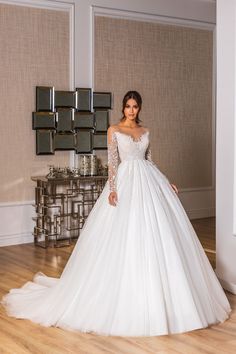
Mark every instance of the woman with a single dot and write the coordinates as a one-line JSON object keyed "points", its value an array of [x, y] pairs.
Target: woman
{"points": [[138, 268]]}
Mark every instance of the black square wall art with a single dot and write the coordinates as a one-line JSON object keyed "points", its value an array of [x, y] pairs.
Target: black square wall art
{"points": [[71, 120]]}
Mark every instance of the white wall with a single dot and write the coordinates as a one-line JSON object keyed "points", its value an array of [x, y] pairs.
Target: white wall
{"points": [[225, 147], [197, 203]]}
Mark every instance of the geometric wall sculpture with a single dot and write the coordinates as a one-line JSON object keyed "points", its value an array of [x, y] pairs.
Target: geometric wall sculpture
{"points": [[71, 120]]}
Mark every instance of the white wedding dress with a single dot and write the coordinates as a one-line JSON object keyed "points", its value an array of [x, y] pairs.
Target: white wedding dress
{"points": [[138, 268]]}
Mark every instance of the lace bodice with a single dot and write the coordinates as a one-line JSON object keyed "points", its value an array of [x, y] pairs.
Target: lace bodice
{"points": [[121, 147]]}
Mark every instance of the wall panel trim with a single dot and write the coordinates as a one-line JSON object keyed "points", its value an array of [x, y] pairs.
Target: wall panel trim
{"points": [[160, 19], [16, 217], [146, 17]]}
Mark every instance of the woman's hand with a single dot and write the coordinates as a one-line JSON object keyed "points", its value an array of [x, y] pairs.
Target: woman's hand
{"points": [[174, 187], [113, 198]]}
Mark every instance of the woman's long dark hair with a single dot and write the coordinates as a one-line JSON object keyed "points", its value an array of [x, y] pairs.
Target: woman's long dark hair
{"points": [[135, 96]]}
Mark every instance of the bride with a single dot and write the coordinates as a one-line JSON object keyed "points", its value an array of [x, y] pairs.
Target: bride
{"points": [[138, 268]]}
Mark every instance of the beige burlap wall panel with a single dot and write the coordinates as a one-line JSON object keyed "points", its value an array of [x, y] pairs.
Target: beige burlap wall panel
{"points": [[171, 67], [34, 47]]}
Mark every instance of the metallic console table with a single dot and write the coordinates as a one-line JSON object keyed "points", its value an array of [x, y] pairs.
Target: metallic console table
{"points": [[62, 206]]}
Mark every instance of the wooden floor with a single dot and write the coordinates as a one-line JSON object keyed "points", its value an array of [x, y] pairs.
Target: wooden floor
{"points": [[19, 263]]}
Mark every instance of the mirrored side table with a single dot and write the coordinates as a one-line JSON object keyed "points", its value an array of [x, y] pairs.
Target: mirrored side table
{"points": [[62, 206]]}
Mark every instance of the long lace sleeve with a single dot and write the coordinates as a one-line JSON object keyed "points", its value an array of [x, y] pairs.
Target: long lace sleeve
{"points": [[113, 158]]}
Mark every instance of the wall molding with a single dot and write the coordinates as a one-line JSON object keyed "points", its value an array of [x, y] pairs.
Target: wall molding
{"points": [[13, 204], [147, 17], [16, 217], [43, 4], [16, 239], [174, 21], [200, 213], [17, 224], [231, 287], [58, 6]]}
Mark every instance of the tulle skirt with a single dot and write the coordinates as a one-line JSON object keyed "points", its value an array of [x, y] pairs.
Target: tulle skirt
{"points": [[137, 269]]}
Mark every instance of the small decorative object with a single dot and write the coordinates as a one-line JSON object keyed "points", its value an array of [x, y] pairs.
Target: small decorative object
{"points": [[93, 165], [90, 165], [61, 172], [101, 170], [51, 173], [84, 165], [102, 100], [104, 170], [75, 172]]}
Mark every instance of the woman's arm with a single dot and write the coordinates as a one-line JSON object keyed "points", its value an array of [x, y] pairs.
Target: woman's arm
{"points": [[113, 162]]}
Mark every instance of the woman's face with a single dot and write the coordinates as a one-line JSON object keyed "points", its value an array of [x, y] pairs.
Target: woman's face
{"points": [[131, 109]]}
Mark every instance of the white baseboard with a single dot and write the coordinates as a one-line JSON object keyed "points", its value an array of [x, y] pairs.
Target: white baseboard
{"points": [[198, 203], [231, 287], [201, 213], [16, 239], [16, 224]]}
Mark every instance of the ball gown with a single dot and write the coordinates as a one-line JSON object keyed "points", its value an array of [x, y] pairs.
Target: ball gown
{"points": [[137, 269]]}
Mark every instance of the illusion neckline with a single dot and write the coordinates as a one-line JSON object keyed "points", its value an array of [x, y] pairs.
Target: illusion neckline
{"points": [[132, 138]]}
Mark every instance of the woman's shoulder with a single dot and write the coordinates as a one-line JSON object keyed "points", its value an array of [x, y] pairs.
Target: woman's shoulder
{"points": [[113, 128], [145, 128]]}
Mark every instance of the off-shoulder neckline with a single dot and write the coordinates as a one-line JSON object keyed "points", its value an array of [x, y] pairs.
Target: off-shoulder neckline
{"points": [[134, 139]]}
